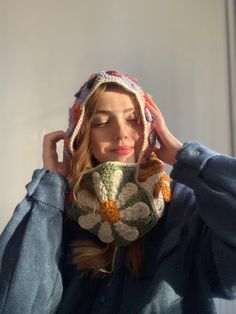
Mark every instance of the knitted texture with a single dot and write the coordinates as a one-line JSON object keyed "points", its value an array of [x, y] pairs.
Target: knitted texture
{"points": [[119, 202], [76, 113]]}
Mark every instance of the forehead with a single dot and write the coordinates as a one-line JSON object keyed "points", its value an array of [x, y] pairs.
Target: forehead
{"points": [[116, 100]]}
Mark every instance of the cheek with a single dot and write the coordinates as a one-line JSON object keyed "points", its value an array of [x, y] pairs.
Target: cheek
{"points": [[97, 141], [94, 140], [93, 137], [97, 136]]}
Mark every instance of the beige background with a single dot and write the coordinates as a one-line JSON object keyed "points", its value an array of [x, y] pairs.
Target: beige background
{"points": [[177, 49]]}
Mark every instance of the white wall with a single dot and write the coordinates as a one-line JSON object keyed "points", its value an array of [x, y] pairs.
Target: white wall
{"points": [[177, 48]]}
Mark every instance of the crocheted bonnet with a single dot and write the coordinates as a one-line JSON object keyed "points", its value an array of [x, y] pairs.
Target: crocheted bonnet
{"points": [[119, 202], [86, 91]]}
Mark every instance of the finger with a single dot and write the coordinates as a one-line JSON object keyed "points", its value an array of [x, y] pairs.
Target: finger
{"points": [[55, 136], [150, 102], [66, 157], [154, 109], [159, 119], [52, 138], [50, 156]]}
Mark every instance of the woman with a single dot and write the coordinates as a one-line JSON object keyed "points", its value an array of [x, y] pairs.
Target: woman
{"points": [[128, 239]]}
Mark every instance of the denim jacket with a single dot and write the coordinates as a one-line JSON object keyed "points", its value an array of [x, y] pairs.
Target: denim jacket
{"points": [[190, 255]]}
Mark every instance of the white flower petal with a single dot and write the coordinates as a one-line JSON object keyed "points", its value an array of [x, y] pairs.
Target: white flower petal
{"points": [[128, 190], [89, 221], [86, 199], [137, 211], [115, 182], [105, 233], [159, 206], [127, 232], [99, 187]]}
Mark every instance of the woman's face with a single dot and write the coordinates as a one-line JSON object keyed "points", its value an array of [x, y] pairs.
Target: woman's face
{"points": [[116, 130]]}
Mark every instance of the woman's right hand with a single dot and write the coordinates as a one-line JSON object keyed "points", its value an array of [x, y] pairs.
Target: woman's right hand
{"points": [[50, 156], [169, 144]]}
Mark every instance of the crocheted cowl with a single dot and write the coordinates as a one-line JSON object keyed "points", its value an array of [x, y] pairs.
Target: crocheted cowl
{"points": [[118, 202]]}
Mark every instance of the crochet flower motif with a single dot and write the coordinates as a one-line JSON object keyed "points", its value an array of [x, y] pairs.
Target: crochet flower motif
{"points": [[109, 209]]}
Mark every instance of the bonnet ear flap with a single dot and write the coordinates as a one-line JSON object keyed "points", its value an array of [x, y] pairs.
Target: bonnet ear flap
{"points": [[74, 117], [66, 148], [152, 135]]}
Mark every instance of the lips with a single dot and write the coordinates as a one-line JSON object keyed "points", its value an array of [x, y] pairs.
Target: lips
{"points": [[123, 150]]}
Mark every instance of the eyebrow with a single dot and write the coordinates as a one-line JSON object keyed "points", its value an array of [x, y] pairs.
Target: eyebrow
{"points": [[110, 111]]}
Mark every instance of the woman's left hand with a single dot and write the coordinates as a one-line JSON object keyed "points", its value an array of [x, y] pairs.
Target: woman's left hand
{"points": [[169, 144]]}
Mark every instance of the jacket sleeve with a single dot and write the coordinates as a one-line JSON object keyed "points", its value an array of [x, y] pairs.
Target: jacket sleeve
{"points": [[30, 280], [212, 176]]}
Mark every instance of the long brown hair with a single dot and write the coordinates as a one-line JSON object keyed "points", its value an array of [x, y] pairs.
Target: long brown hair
{"points": [[96, 258]]}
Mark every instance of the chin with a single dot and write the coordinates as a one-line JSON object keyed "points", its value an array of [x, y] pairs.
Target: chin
{"points": [[125, 159], [112, 157]]}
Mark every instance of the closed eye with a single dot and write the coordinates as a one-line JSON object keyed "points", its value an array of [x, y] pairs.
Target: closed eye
{"points": [[100, 124], [133, 118]]}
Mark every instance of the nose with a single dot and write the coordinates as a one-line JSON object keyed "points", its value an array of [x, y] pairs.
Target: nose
{"points": [[120, 131]]}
